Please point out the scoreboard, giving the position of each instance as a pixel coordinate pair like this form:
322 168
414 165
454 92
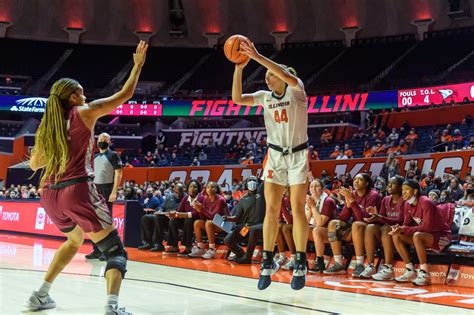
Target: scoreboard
436 95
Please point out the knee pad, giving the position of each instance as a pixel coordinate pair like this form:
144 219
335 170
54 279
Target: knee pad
334 236
112 248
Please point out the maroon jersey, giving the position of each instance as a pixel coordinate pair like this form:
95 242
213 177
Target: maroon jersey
390 213
357 208
185 205
424 217
211 208
81 149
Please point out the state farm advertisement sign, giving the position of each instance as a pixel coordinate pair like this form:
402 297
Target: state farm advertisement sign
30 217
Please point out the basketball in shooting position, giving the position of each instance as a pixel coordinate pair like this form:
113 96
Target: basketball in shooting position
232 49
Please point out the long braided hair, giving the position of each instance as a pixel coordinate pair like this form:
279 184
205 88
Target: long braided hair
51 140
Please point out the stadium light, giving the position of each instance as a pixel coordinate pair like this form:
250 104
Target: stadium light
280 38
422 26
212 38
350 33
74 34
4 25
144 36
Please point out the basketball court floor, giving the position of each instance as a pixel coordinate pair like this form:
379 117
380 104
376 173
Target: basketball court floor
157 284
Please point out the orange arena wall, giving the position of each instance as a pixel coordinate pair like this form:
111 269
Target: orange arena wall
224 174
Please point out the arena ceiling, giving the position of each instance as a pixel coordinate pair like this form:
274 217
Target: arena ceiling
115 21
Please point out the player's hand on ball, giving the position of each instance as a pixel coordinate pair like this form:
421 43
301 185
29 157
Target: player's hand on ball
248 49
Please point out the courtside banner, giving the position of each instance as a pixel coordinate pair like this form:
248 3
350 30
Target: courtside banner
218 108
436 95
441 163
30 217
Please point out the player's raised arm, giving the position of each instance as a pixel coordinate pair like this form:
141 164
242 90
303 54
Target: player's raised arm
237 96
104 106
248 49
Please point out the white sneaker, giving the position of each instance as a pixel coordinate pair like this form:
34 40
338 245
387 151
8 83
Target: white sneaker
280 259
114 310
368 271
289 264
210 254
36 302
386 273
197 252
422 278
408 276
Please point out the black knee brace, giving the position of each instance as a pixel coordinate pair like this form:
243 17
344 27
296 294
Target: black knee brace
112 248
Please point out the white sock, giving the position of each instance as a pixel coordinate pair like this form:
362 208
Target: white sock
112 299
44 288
410 266
424 267
212 246
338 259
360 260
201 245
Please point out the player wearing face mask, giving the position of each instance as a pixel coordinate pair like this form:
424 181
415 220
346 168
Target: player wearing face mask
249 214
108 173
424 227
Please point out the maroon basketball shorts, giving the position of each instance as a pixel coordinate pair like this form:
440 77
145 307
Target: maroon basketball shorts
77 204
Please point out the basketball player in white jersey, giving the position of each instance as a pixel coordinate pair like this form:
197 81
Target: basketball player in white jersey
286 162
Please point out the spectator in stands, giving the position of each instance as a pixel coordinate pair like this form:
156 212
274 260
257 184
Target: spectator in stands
411 139
455 189
212 205
380 134
202 156
184 219
174 160
163 161
154 225
249 215
446 137
347 151
444 197
356 203
157 193
378 148
381 186
380 220
458 139
412 167
2 195
360 134
393 137
229 199
434 195
148 159
424 226
336 152
322 209
313 153
326 138
341 156
368 152
195 162
391 167
160 140
248 159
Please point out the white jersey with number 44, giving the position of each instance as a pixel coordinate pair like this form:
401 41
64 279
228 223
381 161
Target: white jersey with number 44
286 117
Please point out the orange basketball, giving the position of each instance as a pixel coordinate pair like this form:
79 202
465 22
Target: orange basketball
232 49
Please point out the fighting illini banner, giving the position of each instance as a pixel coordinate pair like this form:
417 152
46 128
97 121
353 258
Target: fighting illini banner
441 163
30 217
